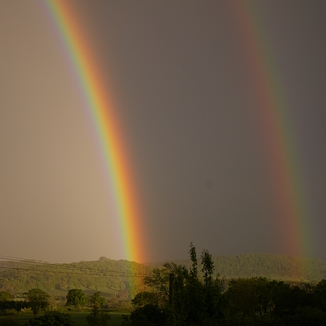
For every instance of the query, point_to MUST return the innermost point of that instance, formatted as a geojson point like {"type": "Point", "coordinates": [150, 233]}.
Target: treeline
{"type": "Point", "coordinates": [276, 267]}
{"type": "Point", "coordinates": [37, 300]}
{"type": "Point", "coordinates": [11, 305]}
{"type": "Point", "coordinates": [271, 266]}
{"type": "Point", "coordinates": [182, 296]}
{"type": "Point", "coordinates": [122, 278]}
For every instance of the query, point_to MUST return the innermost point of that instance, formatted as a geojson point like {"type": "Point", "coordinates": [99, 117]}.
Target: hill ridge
{"type": "Point", "coordinates": [114, 276]}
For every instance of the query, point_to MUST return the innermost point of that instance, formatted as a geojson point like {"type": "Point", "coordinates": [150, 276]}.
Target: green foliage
{"type": "Point", "coordinates": [106, 275]}
{"type": "Point", "coordinates": [37, 300]}
{"type": "Point", "coordinates": [52, 318]}
{"type": "Point", "coordinates": [193, 258]}
{"type": "Point", "coordinates": [258, 301]}
{"type": "Point", "coordinates": [249, 298]}
{"type": "Point", "coordinates": [76, 297]}
{"type": "Point", "coordinates": [158, 282]}
{"type": "Point", "coordinates": [97, 316]}
{"type": "Point", "coordinates": [5, 296]}
{"type": "Point", "coordinates": [9, 307]}
{"type": "Point", "coordinates": [207, 266]}
{"type": "Point", "coordinates": [111, 276]}
{"type": "Point", "coordinates": [144, 298]}
{"type": "Point", "coordinates": [190, 298]}
{"type": "Point", "coordinates": [96, 300]}
{"type": "Point", "coordinates": [180, 296]}
{"type": "Point", "coordinates": [320, 295]}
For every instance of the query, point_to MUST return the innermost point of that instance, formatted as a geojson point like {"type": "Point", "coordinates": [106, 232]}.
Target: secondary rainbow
{"type": "Point", "coordinates": [102, 110]}
{"type": "Point", "coordinates": [275, 120]}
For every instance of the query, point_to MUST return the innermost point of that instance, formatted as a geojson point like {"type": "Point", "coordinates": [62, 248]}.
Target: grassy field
{"type": "Point", "coordinates": [78, 317]}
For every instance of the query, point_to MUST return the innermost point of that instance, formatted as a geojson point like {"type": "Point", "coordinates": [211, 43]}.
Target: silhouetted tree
{"type": "Point", "coordinates": [186, 297]}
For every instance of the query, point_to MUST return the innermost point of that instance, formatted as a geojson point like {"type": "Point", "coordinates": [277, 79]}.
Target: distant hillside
{"type": "Point", "coordinates": [124, 279]}
{"type": "Point", "coordinates": [276, 267]}
{"type": "Point", "coordinates": [120, 278]}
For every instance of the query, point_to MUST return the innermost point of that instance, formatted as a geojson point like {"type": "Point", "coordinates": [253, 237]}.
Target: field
{"type": "Point", "coordinates": [78, 317]}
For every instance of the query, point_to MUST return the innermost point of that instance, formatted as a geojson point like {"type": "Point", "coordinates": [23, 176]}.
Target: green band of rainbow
{"type": "Point", "coordinates": [274, 117]}
{"type": "Point", "coordinates": [101, 107]}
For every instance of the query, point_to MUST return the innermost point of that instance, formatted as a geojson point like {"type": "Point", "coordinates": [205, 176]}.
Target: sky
{"type": "Point", "coordinates": [192, 101]}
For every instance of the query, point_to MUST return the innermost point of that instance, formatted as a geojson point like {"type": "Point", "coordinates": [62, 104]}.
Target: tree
{"type": "Point", "coordinates": [97, 317]}
{"type": "Point", "coordinates": [37, 300]}
{"type": "Point", "coordinates": [9, 305]}
{"type": "Point", "coordinates": [76, 297]}
{"type": "Point", "coordinates": [193, 258]}
{"type": "Point", "coordinates": [320, 295]}
{"type": "Point", "coordinates": [207, 266]}
{"type": "Point", "coordinates": [96, 300]}
{"type": "Point", "coordinates": [249, 300]}
{"type": "Point", "coordinates": [180, 296]}
{"type": "Point", "coordinates": [143, 298]}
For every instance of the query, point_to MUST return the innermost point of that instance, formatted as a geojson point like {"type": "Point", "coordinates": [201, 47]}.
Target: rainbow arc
{"type": "Point", "coordinates": [274, 117]}
{"type": "Point", "coordinates": [104, 120]}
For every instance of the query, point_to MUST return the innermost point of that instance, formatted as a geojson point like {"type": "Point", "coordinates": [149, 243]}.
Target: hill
{"type": "Point", "coordinates": [119, 278]}
{"type": "Point", "coordinates": [271, 266]}
{"type": "Point", "coordinates": [276, 267]}
{"type": "Point", "coordinates": [124, 279]}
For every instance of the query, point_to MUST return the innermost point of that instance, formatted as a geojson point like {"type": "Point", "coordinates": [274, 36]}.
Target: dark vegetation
{"type": "Point", "coordinates": [247, 290]}
{"type": "Point", "coordinates": [78, 318]}
{"type": "Point", "coordinates": [181, 296]}
{"type": "Point", "coordinates": [112, 277]}
{"type": "Point", "coordinates": [271, 266]}
{"type": "Point", "coordinates": [37, 301]}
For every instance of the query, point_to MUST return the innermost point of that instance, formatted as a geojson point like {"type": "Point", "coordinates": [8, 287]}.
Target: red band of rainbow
{"type": "Point", "coordinates": [102, 110]}
{"type": "Point", "coordinates": [274, 117]}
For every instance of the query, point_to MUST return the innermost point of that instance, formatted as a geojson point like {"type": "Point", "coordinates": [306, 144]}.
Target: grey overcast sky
{"type": "Point", "coordinates": [185, 83]}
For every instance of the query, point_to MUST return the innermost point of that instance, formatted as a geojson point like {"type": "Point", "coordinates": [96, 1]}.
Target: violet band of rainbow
{"type": "Point", "coordinates": [276, 129]}
{"type": "Point", "coordinates": [109, 134]}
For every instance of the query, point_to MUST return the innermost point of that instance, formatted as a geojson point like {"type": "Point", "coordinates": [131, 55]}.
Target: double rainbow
{"type": "Point", "coordinates": [102, 111]}
{"type": "Point", "coordinates": [273, 113]}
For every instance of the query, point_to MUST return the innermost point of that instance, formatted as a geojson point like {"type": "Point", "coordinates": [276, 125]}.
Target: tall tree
{"type": "Point", "coordinates": [38, 300]}
{"type": "Point", "coordinates": [97, 317]}
{"type": "Point", "coordinates": [189, 298]}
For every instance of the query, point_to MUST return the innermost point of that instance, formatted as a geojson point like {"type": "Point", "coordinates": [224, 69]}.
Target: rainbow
{"type": "Point", "coordinates": [104, 120]}
{"type": "Point", "coordinates": [278, 134]}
